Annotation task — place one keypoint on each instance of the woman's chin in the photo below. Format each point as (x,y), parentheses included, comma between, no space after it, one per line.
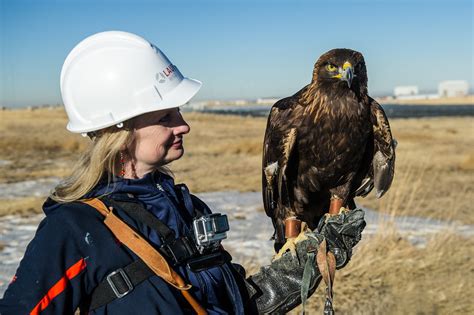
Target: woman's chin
(174,154)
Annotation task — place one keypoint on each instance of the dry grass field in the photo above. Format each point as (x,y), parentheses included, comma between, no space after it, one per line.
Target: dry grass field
(388,275)
(435,159)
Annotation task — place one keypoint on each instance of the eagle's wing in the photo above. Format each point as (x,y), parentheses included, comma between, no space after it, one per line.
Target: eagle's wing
(278,146)
(380,175)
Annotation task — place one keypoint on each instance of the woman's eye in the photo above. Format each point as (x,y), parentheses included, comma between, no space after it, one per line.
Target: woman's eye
(331,68)
(165,118)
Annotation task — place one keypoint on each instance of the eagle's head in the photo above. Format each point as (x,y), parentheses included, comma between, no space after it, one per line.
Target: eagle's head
(342,69)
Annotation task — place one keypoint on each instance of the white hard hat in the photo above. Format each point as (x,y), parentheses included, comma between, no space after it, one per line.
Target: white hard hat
(113,76)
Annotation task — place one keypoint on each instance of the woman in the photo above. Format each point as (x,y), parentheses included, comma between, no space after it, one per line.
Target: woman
(124,93)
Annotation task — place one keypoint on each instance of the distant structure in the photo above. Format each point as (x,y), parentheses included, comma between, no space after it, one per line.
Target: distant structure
(407,91)
(455,88)
(269,100)
(410,92)
(240,102)
(195,106)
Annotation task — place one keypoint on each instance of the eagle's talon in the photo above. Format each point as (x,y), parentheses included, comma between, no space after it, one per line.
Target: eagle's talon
(342,210)
(327,216)
(291,243)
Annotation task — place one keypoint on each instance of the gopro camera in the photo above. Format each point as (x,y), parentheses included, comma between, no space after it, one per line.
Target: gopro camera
(209,230)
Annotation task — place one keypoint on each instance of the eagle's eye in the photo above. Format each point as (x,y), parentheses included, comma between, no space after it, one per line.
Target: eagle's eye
(331,68)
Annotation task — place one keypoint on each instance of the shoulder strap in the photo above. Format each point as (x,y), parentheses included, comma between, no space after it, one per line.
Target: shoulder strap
(176,250)
(151,257)
(138,212)
(119,283)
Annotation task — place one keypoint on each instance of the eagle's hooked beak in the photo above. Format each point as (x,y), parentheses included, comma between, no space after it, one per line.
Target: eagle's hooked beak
(347,73)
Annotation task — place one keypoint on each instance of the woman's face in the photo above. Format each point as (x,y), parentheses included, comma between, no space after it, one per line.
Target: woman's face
(158,139)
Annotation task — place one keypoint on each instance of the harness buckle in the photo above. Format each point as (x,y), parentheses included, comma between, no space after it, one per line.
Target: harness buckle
(179,250)
(124,280)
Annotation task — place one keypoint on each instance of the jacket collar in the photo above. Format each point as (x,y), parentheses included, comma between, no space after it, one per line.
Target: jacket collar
(151,184)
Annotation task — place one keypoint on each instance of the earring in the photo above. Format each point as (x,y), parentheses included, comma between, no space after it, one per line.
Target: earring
(122,165)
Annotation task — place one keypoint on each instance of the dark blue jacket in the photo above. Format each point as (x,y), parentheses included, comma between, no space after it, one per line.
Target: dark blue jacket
(73,251)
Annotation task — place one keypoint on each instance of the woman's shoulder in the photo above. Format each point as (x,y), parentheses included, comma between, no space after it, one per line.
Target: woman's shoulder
(73,214)
(76,222)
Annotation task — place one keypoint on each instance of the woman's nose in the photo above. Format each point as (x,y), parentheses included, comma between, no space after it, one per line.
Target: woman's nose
(182,126)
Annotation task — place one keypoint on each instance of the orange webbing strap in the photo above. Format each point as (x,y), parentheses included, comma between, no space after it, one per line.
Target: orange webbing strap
(150,256)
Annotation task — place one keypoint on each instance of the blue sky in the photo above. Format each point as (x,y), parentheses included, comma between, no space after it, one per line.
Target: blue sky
(242,49)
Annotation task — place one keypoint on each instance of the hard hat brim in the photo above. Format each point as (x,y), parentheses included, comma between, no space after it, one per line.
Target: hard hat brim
(180,95)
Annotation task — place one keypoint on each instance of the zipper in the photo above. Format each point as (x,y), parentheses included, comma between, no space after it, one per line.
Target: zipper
(160,188)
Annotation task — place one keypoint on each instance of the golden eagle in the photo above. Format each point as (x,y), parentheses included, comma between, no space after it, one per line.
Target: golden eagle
(325,145)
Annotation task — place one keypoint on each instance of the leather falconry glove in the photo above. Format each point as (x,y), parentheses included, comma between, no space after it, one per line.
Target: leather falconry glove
(289,281)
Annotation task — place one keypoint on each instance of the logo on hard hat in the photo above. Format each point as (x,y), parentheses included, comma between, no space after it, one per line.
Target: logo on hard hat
(160,77)
(169,70)
(165,74)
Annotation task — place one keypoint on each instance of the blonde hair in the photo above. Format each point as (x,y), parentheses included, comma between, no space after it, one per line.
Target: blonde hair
(99,160)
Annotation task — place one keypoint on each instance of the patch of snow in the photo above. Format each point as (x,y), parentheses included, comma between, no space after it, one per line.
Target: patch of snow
(15,234)
(36,188)
(249,238)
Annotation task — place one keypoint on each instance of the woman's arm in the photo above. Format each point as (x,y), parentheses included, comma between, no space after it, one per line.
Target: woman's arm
(50,278)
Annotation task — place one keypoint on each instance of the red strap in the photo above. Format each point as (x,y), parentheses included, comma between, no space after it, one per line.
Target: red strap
(59,286)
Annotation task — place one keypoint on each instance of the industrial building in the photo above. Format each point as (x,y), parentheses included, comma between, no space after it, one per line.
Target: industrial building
(405,91)
(455,88)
